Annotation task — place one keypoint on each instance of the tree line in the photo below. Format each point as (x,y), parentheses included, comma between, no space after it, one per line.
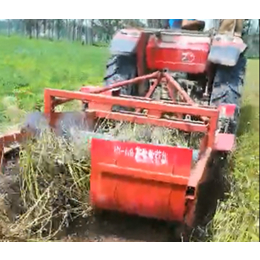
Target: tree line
(88,31)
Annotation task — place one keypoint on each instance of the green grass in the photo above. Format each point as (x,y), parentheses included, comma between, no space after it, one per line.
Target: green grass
(237,219)
(29,66)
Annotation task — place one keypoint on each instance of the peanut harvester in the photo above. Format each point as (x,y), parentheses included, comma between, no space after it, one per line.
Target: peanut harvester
(160,78)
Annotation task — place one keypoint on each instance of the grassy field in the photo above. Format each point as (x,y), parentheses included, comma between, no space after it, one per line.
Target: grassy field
(29,66)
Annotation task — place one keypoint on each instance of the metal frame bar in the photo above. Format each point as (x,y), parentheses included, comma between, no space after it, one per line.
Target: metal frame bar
(101,106)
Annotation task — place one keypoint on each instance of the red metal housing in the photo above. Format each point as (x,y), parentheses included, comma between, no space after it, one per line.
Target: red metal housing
(141,179)
(178,53)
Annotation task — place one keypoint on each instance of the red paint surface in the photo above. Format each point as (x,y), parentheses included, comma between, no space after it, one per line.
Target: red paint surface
(119,182)
(224,142)
(228,110)
(89,89)
(180,53)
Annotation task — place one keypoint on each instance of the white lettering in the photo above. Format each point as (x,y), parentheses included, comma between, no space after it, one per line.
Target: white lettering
(157,157)
(151,155)
(117,149)
(143,155)
(164,159)
(188,57)
(131,152)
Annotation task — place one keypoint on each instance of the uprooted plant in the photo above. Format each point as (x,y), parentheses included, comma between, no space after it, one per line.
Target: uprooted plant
(52,180)
(54,184)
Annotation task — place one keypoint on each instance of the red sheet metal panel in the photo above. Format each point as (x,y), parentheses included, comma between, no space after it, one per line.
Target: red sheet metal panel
(179,53)
(141,179)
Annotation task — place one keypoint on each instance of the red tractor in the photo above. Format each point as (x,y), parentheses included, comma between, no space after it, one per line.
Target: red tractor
(210,68)
(204,68)
(185,80)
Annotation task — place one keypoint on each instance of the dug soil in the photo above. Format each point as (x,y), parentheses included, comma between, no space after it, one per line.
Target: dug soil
(116,227)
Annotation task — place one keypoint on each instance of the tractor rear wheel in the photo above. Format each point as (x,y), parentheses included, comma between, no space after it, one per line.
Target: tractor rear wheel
(227,88)
(120,68)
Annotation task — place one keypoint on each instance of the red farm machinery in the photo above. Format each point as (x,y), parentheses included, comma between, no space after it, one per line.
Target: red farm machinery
(161,78)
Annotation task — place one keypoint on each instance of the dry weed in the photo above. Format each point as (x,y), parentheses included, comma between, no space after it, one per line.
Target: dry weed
(53,181)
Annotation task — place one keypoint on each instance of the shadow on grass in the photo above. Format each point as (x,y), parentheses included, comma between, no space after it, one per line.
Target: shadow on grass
(246,115)
(218,184)
(215,189)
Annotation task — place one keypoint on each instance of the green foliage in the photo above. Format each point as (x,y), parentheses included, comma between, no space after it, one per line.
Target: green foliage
(29,66)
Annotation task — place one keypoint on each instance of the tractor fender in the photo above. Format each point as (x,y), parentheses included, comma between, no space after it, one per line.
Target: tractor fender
(226,50)
(125,42)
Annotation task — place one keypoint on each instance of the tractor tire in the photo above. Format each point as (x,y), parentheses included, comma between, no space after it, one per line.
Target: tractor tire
(120,68)
(227,88)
